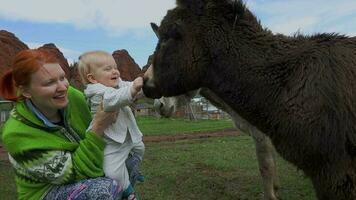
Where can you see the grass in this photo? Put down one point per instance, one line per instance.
(1, 126)
(176, 126)
(215, 168)
(7, 182)
(210, 168)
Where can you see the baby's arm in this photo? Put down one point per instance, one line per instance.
(136, 86)
(138, 82)
(114, 99)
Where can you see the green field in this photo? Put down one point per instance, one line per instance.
(175, 126)
(215, 168)
(210, 168)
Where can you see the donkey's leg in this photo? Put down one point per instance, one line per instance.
(266, 159)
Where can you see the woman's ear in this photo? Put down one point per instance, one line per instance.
(91, 78)
(24, 91)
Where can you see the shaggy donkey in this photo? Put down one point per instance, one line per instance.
(300, 91)
(166, 106)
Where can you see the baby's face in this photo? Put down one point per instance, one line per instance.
(107, 73)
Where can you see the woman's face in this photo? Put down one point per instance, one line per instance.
(48, 89)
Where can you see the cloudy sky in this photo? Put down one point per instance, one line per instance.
(76, 26)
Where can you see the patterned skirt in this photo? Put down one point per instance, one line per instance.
(101, 188)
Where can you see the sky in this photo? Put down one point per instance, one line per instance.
(76, 26)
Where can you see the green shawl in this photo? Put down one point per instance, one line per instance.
(31, 144)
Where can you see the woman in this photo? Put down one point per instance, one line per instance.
(53, 155)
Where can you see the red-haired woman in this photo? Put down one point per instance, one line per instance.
(53, 154)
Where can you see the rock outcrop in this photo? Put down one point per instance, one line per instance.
(149, 62)
(52, 49)
(127, 66)
(75, 77)
(10, 45)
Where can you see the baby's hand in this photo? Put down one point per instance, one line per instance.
(136, 86)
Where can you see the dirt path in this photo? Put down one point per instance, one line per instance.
(161, 138)
(172, 138)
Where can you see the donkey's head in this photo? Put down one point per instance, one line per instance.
(167, 106)
(183, 59)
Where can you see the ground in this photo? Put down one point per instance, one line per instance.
(172, 138)
(3, 154)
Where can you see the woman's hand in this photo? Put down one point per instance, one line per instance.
(102, 120)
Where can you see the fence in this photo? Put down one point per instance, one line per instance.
(196, 109)
(5, 108)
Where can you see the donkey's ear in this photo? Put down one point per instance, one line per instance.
(154, 28)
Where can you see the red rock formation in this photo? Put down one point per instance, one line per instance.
(10, 45)
(51, 48)
(75, 77)
(129, 70)
(149, 62)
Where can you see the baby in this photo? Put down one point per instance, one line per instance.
(123, 138)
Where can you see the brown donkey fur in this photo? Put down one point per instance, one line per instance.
(300, 90)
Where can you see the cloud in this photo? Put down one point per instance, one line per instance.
(111, 15)
(125, 23)
(123, 16)
(305, 16)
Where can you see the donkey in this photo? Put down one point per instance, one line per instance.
(298, 90)
(166, 106)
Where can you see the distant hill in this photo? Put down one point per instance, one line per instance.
(10, 45)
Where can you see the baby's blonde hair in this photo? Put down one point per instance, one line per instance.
(88, 61)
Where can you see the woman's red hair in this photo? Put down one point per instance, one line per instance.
(25, 63)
